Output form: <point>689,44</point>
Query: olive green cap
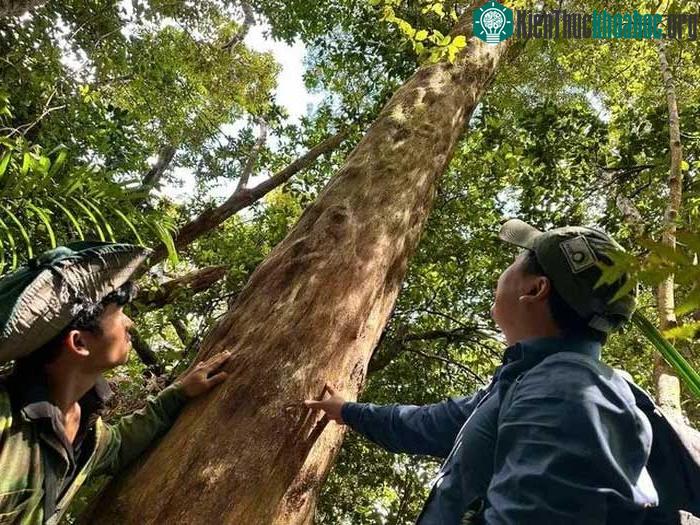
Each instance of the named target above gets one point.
<point>41,298</point>
<point>570,257</point>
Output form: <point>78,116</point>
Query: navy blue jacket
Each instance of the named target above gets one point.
<point>565,445</point>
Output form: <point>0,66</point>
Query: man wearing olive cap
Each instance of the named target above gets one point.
<point>61,321</point>
<point>556,437</point>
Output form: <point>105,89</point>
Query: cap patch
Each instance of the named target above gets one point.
<point>578,254</point>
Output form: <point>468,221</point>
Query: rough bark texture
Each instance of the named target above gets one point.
<point>668,390</point>
<point>18,7</point>
<point>244,197</point>
<point>250,453</point>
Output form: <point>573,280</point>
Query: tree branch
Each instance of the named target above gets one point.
<point>182,332</point>
<point>394,347</point>
<point>248,21</point>
<point>168,292</point>
<point>153,176</point>
<point>446,361</point>
<point>145,352</point>
<point>252,159</point>
<point>212,218</point>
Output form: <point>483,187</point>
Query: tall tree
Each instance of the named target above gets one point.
<point>312,311</point>
<point>667,384</point>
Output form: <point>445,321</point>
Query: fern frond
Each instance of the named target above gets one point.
<point>44,217</point>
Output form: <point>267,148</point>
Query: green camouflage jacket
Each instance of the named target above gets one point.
<point>40,472</point>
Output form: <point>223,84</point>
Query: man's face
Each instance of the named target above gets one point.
<point>508,310</point>
<point>110,346</point>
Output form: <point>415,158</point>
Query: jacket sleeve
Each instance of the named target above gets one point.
<point>133,434</point>
<point>571,450</point>
<point>428,430</point>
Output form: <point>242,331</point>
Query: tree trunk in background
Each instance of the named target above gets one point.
<point>18,7</point>
<point>667,384</point>
<point>250,453</point>
<point>165,157</point>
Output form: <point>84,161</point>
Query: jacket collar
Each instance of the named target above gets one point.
<point>527,353</point>
<point>30,394</point>
<point>544,346</point>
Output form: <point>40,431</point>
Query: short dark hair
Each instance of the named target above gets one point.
<point>565,317</point>
<point>88,319</point>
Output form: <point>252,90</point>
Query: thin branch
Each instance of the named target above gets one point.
<point>168,292</point>
<point>181,329</point>
<point>145,352</point>
<point>238,200</point>
<point>446,361</point>
<point>252,159</point>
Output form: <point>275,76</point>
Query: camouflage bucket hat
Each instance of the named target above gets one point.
<point>569,256</point>
<point>41,298</point>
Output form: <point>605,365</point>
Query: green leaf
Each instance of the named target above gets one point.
<point>690,303</point>
<point>43,217</point>
<point>26,163</point>
<point>106,224</point>
<point>11,242</point>
<point>70,216</point>
<point>685,332</point>
<point>459,41</point>
<point>668,351</point>
<point>4,162</point>
<point>91,216</point>
<point>421,35</point>
<point>22,231</point>
<point>167,239</point>
<point>58,163</point>
<point>130,225</point>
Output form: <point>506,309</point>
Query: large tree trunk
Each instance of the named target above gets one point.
<point>312,312</point>
<point>667,383</point>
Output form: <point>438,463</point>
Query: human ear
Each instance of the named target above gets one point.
<point>75,343</point>
<point>538,291</point>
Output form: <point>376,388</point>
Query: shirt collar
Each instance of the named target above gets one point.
<point>542,346</point>
<point>31,395</point>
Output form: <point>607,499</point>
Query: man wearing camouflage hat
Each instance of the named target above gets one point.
<point>556,437</point>
<point>62,322</point>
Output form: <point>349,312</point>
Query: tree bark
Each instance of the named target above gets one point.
<point>146,353</point>
<point>668,390</point>
<point>250,453</point>
<point>18,7</point>
<point>243,198</point>
<point>248,22</point>
<point>253,158</point>
<point>153,176</point>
